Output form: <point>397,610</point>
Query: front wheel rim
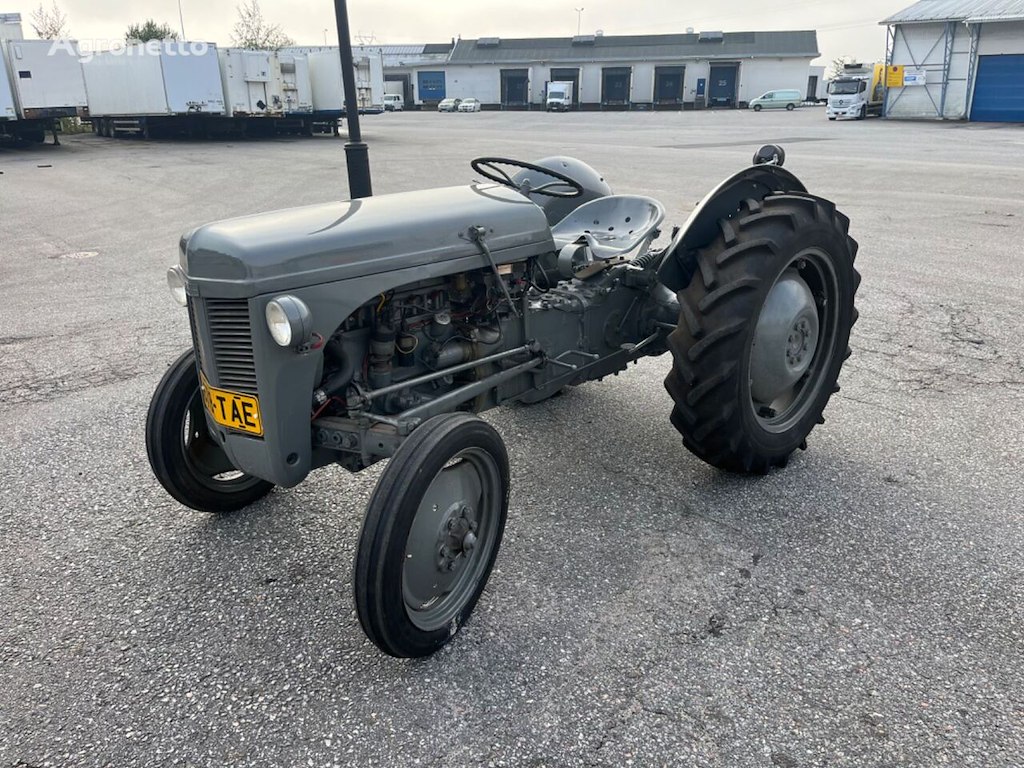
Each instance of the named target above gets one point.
<point>205,460</point>
<point>451,540</point>
<point>791,353</point>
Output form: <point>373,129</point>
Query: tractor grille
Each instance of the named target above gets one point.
<point>230,358</point>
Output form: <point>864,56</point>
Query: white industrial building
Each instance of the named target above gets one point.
<point>691,70</point>
<point>414,71</point>
<point>957,60</point>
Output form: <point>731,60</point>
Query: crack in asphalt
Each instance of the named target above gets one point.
<point>40,371</point>
<point>934,347</point>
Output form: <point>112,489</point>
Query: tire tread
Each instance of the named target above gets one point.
<point>704,382</point>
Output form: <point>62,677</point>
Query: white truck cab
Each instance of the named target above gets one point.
<point>856,93</point>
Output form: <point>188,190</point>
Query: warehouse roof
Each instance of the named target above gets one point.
<point>409,55</point>
<point>959,10</point>
<point>705,45</point>
<point>410,49</point>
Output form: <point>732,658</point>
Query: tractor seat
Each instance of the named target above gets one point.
<point>610,226</point>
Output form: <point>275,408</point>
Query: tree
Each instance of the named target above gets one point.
<point>253,31</point>
<point>150,30</point>
<point>835,69</point>
<point>50,24</point>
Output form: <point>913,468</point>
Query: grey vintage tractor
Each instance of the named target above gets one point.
<point>354,331</point>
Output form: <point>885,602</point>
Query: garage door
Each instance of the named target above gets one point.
<point>999,90</point>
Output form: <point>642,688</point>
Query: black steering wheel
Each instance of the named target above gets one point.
<point>488,167</point>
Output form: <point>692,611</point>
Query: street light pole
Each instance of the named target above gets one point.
<point>181,18</point>
<point>357,156</point>
<point>579,19</point>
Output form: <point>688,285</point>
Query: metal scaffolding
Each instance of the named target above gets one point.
<point>972,70</point>
<point>947,39</point>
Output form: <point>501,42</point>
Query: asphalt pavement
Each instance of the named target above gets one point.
<point>862,607</point>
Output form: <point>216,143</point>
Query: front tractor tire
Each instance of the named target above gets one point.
<point>184,456</point>
<point>764,329</point>
<point>431,534</point>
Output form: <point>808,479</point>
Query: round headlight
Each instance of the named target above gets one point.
<point>176,282</point>
<point>289,321</point>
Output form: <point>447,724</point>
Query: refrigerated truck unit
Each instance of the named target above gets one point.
<point>257,96</point>
<point>46,82</point>
<point>172,87</point>
<point>328,89</point>
<point>325,78</point>
<point>372,82</point>
<point>295,82</point>
<point>252,84</point>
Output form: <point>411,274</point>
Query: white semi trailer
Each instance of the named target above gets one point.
<point>328,88</point>
<point>8,110</point>
<point>258,94</point>
<point>296,84</point>
<point>46,83</point>
<point>156,87</point>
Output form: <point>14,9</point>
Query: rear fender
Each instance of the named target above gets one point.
<point>757,182</point>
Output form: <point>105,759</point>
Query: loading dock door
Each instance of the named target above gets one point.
<point>432,86</point>
<point>615,86</point>
<point>999,90</point>
<point>515,87</point>
<point>567,76</point>
<point>722,88</point>
<point>406,89</point>
<point>668,85</point>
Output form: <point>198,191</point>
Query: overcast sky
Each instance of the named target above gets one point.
<point>844,28</point>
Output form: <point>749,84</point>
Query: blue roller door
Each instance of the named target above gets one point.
<point>999,90</point>
<point>431,85</point>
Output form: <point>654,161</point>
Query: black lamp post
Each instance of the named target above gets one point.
<point>357,157</point>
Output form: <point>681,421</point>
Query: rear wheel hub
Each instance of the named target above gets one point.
<point>785,339</point>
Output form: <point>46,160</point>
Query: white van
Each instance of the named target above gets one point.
<point>777,100</point>
<point>393,102</point>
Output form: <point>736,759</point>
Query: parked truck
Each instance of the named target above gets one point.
<point>559,98</point>
<point>858,92</point>
<point>163,87</point>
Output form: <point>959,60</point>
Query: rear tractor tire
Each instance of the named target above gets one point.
<point>764,329</point>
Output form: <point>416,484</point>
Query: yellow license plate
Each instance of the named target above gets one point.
<point>232,409</point>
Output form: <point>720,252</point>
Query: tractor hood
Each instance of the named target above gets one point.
<point>325,243</point>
